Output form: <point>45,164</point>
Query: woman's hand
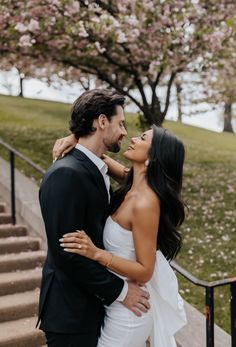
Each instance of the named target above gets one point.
<point>79,243</point>
<point>116,170</point>
<point>106,159</point>
<point>63,146</point>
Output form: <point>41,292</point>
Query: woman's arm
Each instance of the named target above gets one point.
<point>116,170</point>
<point>144,227</point>
<point>63,146</point>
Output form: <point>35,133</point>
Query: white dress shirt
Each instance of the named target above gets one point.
<point>102,167</point>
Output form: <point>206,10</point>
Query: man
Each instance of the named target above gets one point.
<point>75,195</point>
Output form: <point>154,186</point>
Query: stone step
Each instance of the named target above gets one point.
<point>194,332</point>
<point>9,230</point>
<point>20,305</point>
<point>21,333</point>
<point>17,244</point>
<point>5,218</point>
<point>21,281</point>
<point>3,207</point>
<point>21,261</point>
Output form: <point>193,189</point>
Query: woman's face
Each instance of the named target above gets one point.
<point>139,147</point>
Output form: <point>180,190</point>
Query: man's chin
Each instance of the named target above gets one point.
<point>115,148</point>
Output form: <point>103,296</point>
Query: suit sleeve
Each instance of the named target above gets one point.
<point>63,204</point>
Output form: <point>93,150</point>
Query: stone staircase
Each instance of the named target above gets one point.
<point>20,275</point>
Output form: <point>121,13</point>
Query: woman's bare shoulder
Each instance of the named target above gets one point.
<point>146,201</point>
<point>146,213</point>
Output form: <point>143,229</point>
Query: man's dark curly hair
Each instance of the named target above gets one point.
<point>89,106</point>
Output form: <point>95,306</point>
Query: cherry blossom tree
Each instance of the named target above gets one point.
<point>220,81</point>
<point>215,87</point>
<point>220,89</point>
<point>128,44</point>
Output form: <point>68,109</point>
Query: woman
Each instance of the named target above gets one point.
<point>145,214</point>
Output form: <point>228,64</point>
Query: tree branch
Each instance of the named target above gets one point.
<point>106,78</point>
<point>108,7</point>
<point>155,99</point>
<point>157,80</point>
<point>171,80</point>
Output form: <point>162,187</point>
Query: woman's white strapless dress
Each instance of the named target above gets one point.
<point>166,316</point>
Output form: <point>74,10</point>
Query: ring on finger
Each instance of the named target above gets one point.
<point>79,246</point>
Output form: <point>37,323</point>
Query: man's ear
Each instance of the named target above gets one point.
<point>102,121</point>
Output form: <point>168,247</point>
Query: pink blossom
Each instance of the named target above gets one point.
<point>73,7</point>
<point>82,30</point>
<point>153,67</point>
<point>21,28</point>
<point>53,20</point>
<point>133,34</point>
<point>33,25</point>
<point>25,41</point>
<point>54,2</point>
<point>99,48</point>
<point>132,20</point>
<point>121,7</point>
<point>95,19</point>
<point>149,5</point>
<point>165,20</point>
<point>121,38</point>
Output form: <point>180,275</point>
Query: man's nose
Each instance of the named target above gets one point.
<point>124,132</point>
<point>133,139</point>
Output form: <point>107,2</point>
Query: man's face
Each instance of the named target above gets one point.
<point>115,131</point>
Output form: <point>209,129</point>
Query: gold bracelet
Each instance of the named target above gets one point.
<point>110,261</point>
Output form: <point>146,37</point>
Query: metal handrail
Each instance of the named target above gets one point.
<point>23,157</point>
<point>209,301</point>
<point>12,153</point>
<point>209,286</point>
<point>198,282</point>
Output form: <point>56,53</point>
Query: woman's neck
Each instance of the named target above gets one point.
<point>139,176</point>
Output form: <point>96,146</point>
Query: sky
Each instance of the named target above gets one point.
<point>36,89</point>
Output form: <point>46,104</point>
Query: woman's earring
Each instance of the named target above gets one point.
<point>146,162</point>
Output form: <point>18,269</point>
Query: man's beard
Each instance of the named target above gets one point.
<point>113,147</point>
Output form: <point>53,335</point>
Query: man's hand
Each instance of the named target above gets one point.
<point>63,146</point>
<point>136,299</point>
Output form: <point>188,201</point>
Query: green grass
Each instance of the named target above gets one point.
<point>31,126</point>
<point>209,187</point>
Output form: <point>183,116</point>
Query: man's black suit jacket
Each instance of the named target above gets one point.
<point>74,289</point>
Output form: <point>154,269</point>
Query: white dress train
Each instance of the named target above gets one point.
<point>166,316</point>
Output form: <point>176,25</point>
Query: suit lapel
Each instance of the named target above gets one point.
<point>93,171</point>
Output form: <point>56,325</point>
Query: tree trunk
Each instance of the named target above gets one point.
<point>21,94</point>
<point>152,115</point>
<point>179,101</point>
<point>228,118</point>
<point>145,117</point>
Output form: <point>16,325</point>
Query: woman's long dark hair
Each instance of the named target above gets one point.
<point>164,176</point>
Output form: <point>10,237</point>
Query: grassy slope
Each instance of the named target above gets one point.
<point>209,187</point>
